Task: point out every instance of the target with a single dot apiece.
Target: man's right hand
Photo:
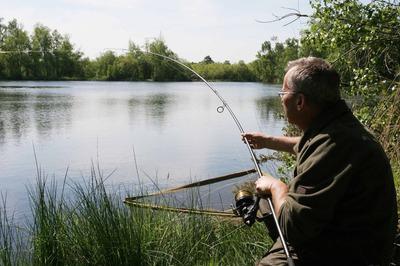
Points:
(257, 140)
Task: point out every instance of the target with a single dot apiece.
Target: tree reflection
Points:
(14, 114)
(156, 107)
(269, 109)
(133, 107)
(52, 111)
(20, 112)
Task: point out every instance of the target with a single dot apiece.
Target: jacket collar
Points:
(324, 118)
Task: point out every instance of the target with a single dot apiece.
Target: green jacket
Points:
(341, 206)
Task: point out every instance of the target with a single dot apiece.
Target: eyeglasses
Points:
(281, 93)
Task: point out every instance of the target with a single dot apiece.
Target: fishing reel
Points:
(247, 206)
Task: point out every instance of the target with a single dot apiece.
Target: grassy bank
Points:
(93, 227)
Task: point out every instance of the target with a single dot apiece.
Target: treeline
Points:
(48, 55)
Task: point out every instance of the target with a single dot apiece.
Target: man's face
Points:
(288, 99)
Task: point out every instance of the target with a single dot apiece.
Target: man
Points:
(340, 207)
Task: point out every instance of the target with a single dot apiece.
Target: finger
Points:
(260, 191)
(248, 138)
(247, 135)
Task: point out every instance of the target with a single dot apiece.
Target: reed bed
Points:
(85, 224)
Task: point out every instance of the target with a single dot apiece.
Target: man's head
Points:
(315, 78)
(310, 85)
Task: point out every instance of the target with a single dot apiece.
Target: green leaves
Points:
(271, 60)
(361, 40)
(44, 55)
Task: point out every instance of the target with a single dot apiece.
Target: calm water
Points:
(174, 129)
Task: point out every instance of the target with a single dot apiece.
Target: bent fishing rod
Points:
(220, 109)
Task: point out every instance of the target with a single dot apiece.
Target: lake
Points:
(173, 130)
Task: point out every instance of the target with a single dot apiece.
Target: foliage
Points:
(47, 55)
(13, 37)
(224, 71)
(271, 60)
(163, 69)
(362, 41)
(207, 60)
(44, 55)
(89, 226)
(386, 124)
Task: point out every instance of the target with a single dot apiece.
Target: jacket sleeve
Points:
(324, 175)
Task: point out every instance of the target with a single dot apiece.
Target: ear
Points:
(300, 101)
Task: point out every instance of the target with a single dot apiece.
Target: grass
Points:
(91, 226)
(396, 177)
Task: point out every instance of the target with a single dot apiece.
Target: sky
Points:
(222, 29)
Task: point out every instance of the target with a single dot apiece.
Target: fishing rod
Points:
(220, 109)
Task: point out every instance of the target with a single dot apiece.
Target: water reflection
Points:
(20, 112)
(156, 107)
(52, 111)
(269, 109)
(133, 108)
(14, 115)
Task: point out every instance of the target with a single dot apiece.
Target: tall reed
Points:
(14, 248)
(86, 224)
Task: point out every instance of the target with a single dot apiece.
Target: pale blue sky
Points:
(223, 29)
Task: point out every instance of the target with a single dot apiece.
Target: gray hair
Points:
(315, 78)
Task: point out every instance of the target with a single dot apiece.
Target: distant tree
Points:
(144, 69)
(271, 60)
(265, 63)
(87, 69)
(163, 69)
(43, 60)
(104, 66)
(14, 38)
(208, 60)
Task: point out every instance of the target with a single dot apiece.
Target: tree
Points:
(144, 68)
(42, 46)
(104, 66)
(15, 64)
(162, 68)
(207, 60)
(361, 40)
(271, 61)
(265, 63)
